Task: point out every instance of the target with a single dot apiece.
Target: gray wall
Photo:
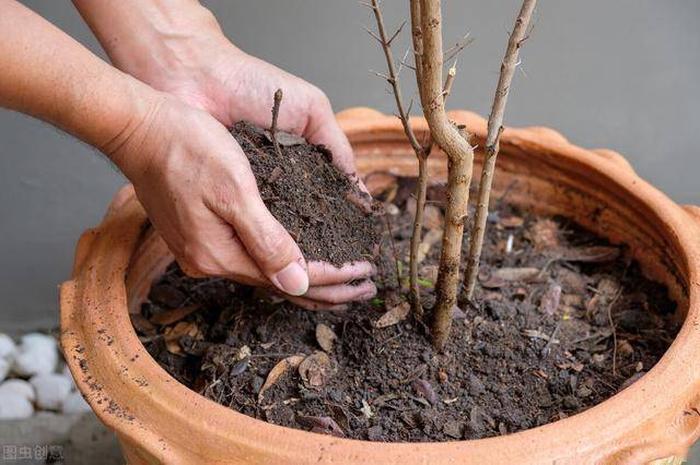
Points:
(620, 74)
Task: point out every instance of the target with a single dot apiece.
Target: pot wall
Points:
(160, 421)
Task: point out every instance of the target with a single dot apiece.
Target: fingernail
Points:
(292, 279)
(368, 295)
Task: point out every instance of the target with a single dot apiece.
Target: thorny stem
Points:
(495, 128)
(420, 151)
(460, 156)
(275, 115)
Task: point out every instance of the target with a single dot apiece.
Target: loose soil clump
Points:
(324, 211)
(561, 321)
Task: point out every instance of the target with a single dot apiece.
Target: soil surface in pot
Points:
(561, 321)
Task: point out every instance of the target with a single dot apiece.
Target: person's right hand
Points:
(199, 191)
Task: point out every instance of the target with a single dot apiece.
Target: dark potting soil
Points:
(561, 321)
(308, 195)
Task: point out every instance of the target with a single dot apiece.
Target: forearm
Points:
(47, 74)
(154, 40)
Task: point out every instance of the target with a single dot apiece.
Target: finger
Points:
(323, 128)
(342, 293)
(120, 198)
(271, 247)
(324, 273)
(309, 304)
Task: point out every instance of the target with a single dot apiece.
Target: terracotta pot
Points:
(160, 421)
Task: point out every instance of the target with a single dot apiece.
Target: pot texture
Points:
(160, 421)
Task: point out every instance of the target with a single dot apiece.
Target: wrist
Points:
(124, 142)
(156, 41)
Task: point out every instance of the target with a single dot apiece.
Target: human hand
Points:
(197, 187)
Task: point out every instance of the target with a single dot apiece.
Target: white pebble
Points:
(5, 366)
(18, 386)
(37, 354)
(8, 349)
(14, 406)
(75, 403)
(66, 372)
(51, 390)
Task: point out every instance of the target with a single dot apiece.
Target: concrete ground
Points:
(79, 440)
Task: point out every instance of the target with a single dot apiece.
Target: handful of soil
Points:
(323, 210)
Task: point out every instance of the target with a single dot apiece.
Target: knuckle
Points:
(273, 247)
(197, 263)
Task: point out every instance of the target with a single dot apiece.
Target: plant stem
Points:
(495, 128)
(421, 154)
(275, 115)
(460, 156)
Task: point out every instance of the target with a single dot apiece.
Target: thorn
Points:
(456, 49)
(411, 67)
(401, 63)
(383, 76)
(398, 31)
(375, 36)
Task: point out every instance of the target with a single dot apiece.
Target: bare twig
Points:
(452, 141)
(449, 80)
(421, 154)
(393, 250)
(457, 48)
(495, 128)
(275, 115)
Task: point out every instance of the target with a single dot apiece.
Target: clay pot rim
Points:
(122, 227)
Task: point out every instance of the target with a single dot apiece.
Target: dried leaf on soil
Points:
(243, 353)
(426, 391)
(278, 371)
(142, 325)
(322, 425)
(458, 313)
(594, 254)
(366, 410)
(550, 299)
(285, 139)
(316, 369)
(429, 272)
(544, 234)
(169, 317)
(432, 237)
(325, 337)
(395, 315)
(605, 292)
(502, 276)
(511, 221)
(173, 334)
